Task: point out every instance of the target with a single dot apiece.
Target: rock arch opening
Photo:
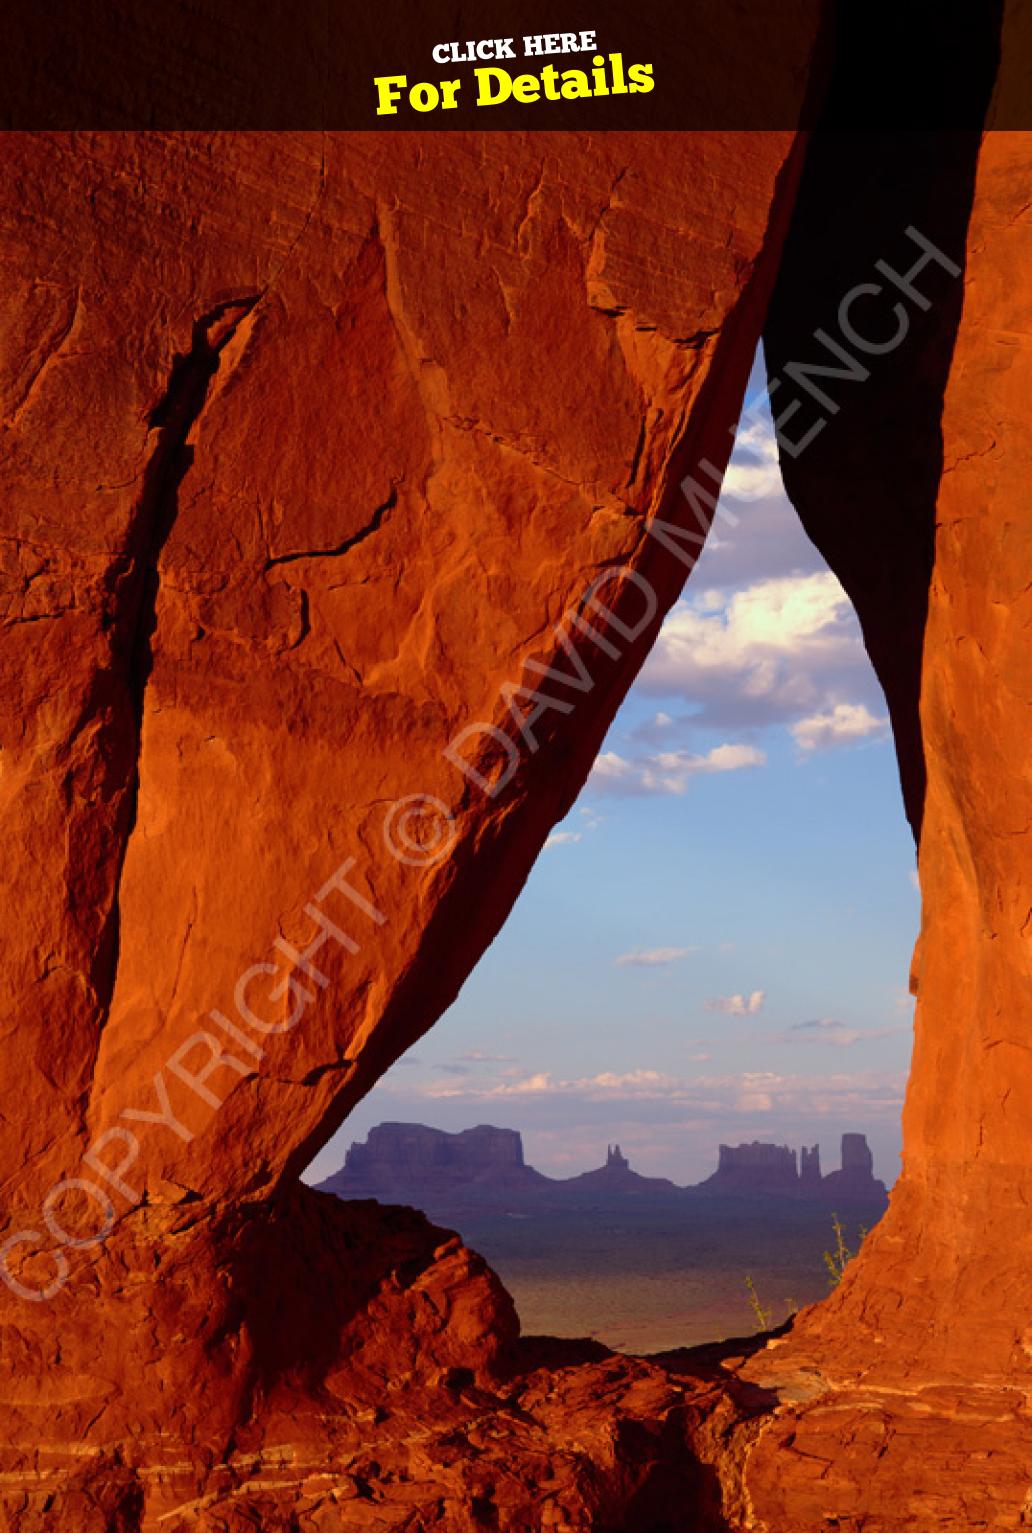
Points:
(297, 902)
(712, 950)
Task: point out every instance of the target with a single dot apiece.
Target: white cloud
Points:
(839, 1034)
(630, 1081)
(738, 1005)
(753, 472)
(777, 651)
(610, 768)
(481, 1056)
(746, 632)
(654, 957)
(727, 758)
(755, 1101)
(531, 1085)
(844, 724)
(766, 537)
(668, 771)
(562, 838)
(751, 481)
(858, 1094)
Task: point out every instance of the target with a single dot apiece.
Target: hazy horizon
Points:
(830, 1157)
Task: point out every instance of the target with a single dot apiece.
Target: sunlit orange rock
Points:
(319, 452)
(911, 1381)
(316, 449)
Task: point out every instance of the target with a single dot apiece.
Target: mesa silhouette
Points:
(484, 1167)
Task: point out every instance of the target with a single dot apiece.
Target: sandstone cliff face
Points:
(948, 531)
(314, 448)
(924, 488)
(305, 509)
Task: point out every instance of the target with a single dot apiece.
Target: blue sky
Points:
(714, 946)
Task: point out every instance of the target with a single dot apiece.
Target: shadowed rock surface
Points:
(917, 1368)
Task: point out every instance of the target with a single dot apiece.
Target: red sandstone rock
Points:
(309, 505)
(924, 1281)
(919, 1365)
(311, 444)
(245, 612)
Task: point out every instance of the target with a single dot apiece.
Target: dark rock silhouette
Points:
(810, 1163)
(856, 1178)
(407, 1161)
(771, 1168)
(755, 1167)
(485, 1165)
(856, 1155)
(614, 1180)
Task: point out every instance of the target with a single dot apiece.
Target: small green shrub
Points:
(763, 1316)
(838, 1260)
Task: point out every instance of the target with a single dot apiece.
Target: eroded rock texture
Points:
(313, 449)
(314, 446)
(356, 427)
(919, 1366)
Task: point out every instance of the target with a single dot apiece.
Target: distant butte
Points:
(485, 1166)
(771, 1168)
